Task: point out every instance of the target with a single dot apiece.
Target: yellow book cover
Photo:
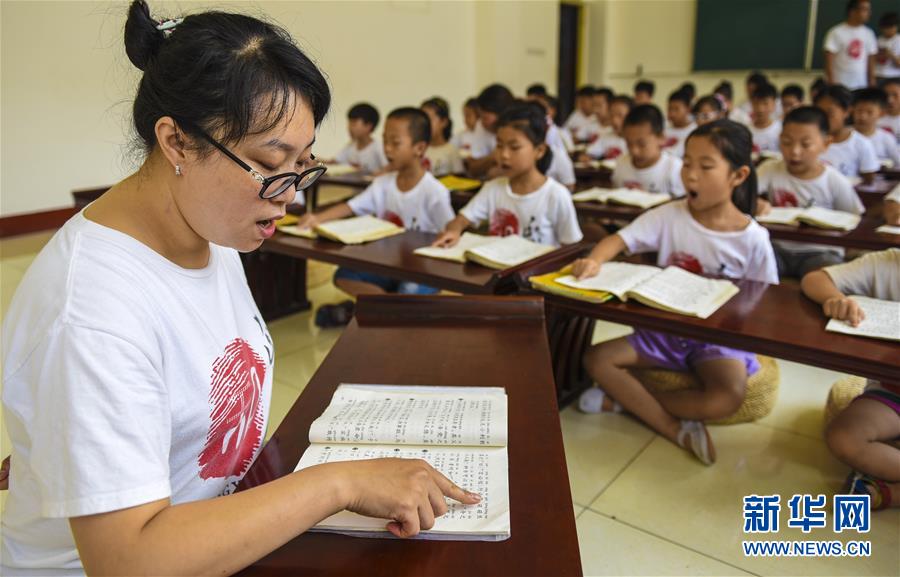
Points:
(547, 283)
(459, 183)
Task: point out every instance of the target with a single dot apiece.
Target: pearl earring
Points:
(177, 170)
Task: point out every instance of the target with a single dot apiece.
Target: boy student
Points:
(647, 166)
(891, 119)
(681, 123)
(582, 124)
(725, 92)
(753, 82)
(764, 129)
(887, 64)
(850, 49)
(611, 145)
(602, 100)
(791, 97)
(868, 106)
(849, 151)
(643, 92)
(492, 101)
(408, 196)
(363, 152)
(801, 179)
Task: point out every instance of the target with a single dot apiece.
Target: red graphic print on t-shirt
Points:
(782, 197)
(504, 223)
(671, 141)
(633, 184)
(685, 260)
(236, 412)
(613, 152)
(854, 49)
(393, 217)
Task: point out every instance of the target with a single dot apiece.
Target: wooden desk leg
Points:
(277, 283)
(569, 337)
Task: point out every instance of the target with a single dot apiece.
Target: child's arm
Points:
(763, 206)
(452, 232)
(892, 212)
(829, 67)
(818, 286)
(606, 250)
(309, 220)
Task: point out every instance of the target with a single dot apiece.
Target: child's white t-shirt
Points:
(555, 138)
(126, 379)
(885, 67)
(885, 146)
(545, 216)
(368, 159)
(608, 146)
(852, 46)
(679, 240)
(483, 142)
(561, 168)
(463, 141)
(891, 124)
(675, 138)
(738, 115)
(831, 189)
(853, 156)
(582, 126)
(766, 139)
(424, 207)
(664, 177)
(444, 159)
(876, 275)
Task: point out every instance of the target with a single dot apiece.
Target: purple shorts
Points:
(680, 354)
(889, 394)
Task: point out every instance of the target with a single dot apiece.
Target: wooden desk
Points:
(873, 194)
(442, 341)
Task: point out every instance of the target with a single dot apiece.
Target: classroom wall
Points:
(66, 105)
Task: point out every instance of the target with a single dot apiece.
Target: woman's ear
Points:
(170, 139)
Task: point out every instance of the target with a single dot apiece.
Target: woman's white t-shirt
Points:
(127, 379)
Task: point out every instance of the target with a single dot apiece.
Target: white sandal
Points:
(694, 437)
(593, 399)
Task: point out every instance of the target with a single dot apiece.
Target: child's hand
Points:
(892, 212)
(843, 309)
(307, 220)
(585, 268)
(446, 239)
(763, 207)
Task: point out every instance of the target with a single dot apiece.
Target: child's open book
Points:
(626, 196)
(354, 230)
(490, 251)
(814, 216)
(882, 320)
(671, 289)
(888, 229)
(460, 431)
(340, 169)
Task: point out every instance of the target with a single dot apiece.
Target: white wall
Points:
(66, 83)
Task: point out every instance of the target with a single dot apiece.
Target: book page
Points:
(482, 470)
(888, 229)
(507, 252)
(340, 169)
(592, 194)
(614, 277)
(827, 218)
(639, 198)
(294, 230)
(680, 291)
(453, 416)
(358, 229)
(780, 215)
(882, 320)
(456, 253)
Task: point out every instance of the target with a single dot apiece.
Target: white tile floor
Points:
(642, 506)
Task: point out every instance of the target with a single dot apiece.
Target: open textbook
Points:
(460, 431)
(491, 251)
(341, 169)
(354, 230)
(671, 289)
(626, 196)
(882, 320)
(888, 229)
(814, 216)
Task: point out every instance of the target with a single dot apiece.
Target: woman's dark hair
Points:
(708, 100)
(530, 119)
(419, 123)
(495, 98)
(735, 143)
(808, 115)
(226, 74)
(442, 109)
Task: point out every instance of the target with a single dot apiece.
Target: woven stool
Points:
(762, 389)
(841, 394)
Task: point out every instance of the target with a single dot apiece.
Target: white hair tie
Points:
(168, 25)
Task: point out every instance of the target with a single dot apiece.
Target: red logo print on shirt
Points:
(504, 223)
(393, 217)
(613, 152)
(685, 260)
(633, 184)
(671, 141)
(854, 49)
(782, 197)
(236, 412)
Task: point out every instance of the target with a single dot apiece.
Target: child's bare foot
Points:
(694, 437)
(595, 400)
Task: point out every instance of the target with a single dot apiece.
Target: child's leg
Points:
(356, 283)
(861, 436)
(354, 288)
(724, 386)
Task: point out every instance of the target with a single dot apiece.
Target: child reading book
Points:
(708, 109)
(611, 145)
(849, 151)
(364, 152)
(582, 123)
(763, 124)
(890, 121)
(791, 98)
(463, 140)
(647, 166)
(442, 157)
(680, 122)
(868, 108)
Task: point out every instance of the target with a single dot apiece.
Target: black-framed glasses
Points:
(271, 186)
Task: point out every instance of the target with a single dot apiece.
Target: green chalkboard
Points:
(747, 34)
(833, 12)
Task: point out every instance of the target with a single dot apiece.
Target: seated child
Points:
(561, 168)
(680, 122)
(863, 436)
(868, 108)
(556, 136)
(708, 109)
(725, 92)
(711, 232)
(791, 97)
(647, 165)
(643, 92)
(523, 201)
(801, 179)
(463, 140)
(892, 207)
(363, 152)
(755, 81)
(611, 145)
(408, 196)
(849, 151)
(887, 61)
(442, 157)
(891, 119)
(764, 129)
(582, 124)
(492, 101)
(602, 100)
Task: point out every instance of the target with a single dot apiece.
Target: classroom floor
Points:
(642, 506)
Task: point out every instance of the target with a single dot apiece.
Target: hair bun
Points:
(142, 38)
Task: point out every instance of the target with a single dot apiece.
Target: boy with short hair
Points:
(363, 152)
(791, 97)
(681, 124)
(582, 124)
(647, 166)
(887, 63)
(643, 92)
(868, 107)
(890, 121)
(764, 129)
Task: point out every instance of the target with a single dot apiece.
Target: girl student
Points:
(441, 156)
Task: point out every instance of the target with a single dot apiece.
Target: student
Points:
(708, 109)
(561, 168)
(816, 87)
(442, 157)
(891, 119)
(556, 136)
(850, 49)
(602, 100)
(791, 97)
(863, 435)
(887, 63)
(363, 152)
(523, 201)
(710, 232)
(492, 101)
(801, 179)
(409, 196)
(680, 122)
(755, 80)
(892, 207)
(725, 91)
(535, 90)
(868, 108)
(688, 88)
(463, 140)
(611, 145)
(582, 124)
(643, 92)
(848, 151)
(647, 166)
(137, 369)
(765, 131)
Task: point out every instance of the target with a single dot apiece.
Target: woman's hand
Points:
(585, 268)
(843, 309)
(446, 239)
